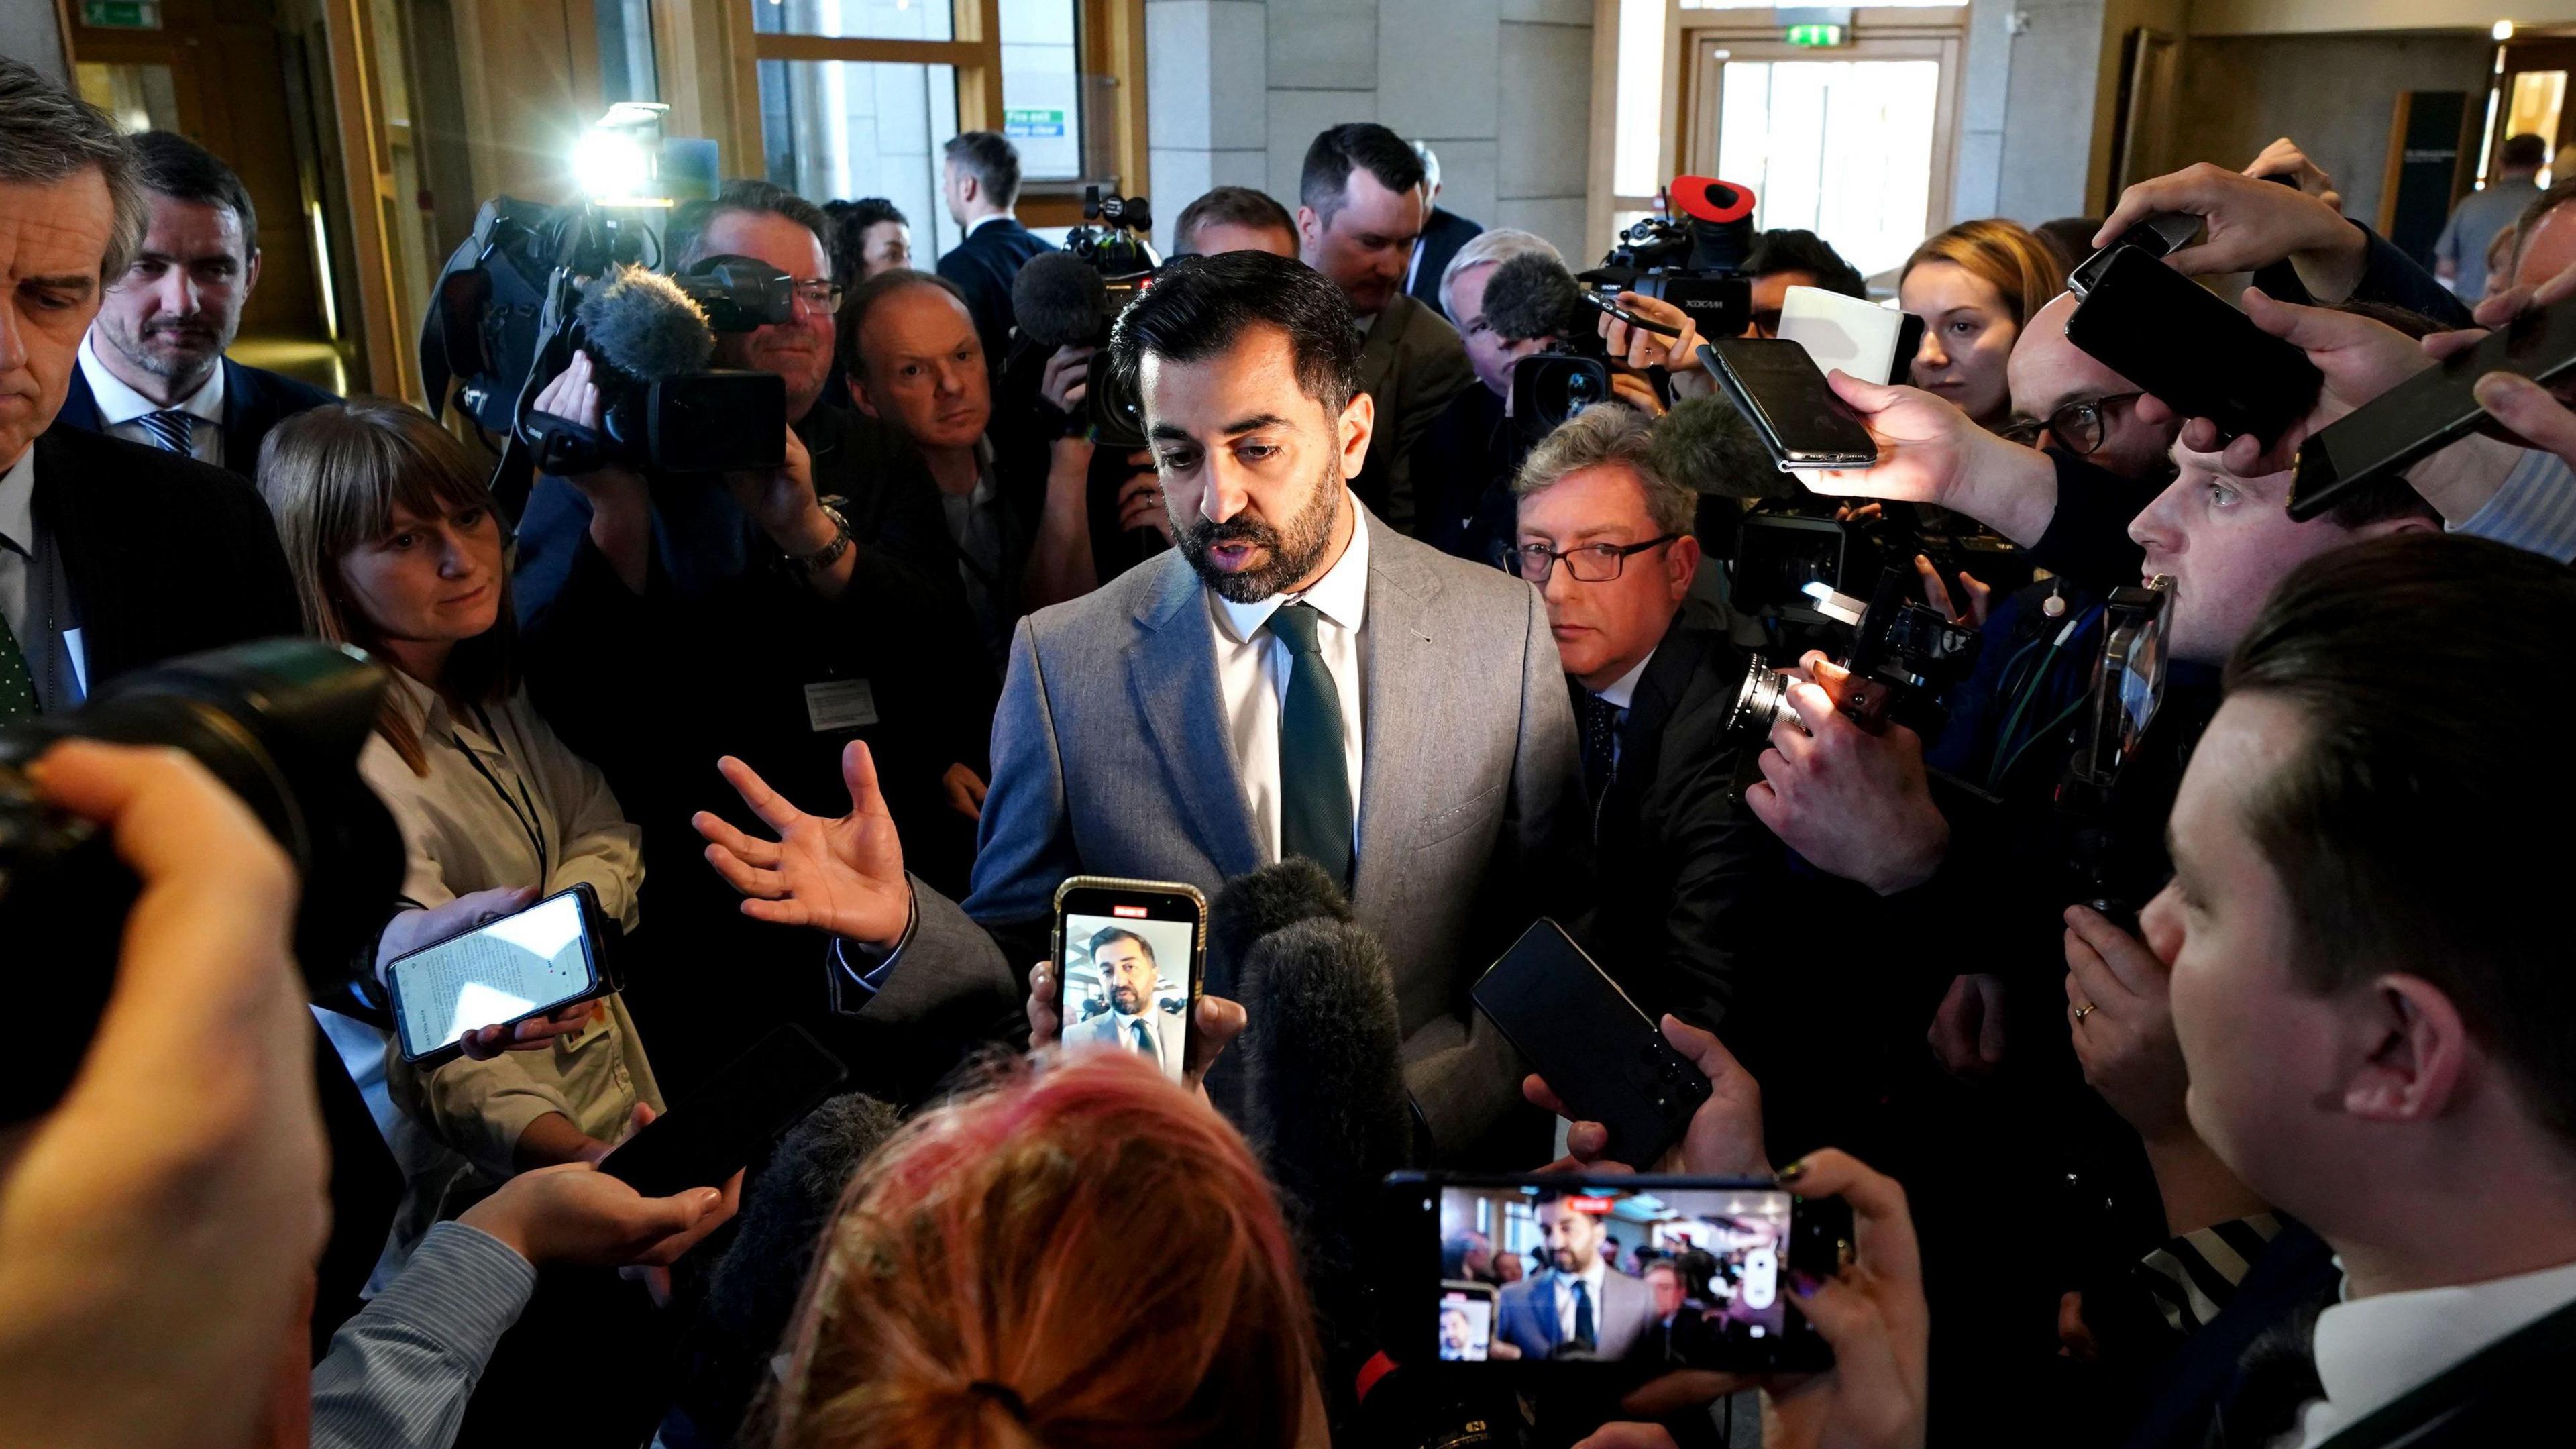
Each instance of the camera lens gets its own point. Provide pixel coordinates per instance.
(1760, 701)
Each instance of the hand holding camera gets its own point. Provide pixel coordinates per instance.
(1854, 803)
(1638, 348)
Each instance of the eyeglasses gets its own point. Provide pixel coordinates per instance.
(820, 293)
(1589, 563)
(2079, 427)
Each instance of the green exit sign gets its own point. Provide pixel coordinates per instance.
(121, 14)
(1820, 35)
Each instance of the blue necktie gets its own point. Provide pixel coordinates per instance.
(171, 430)
(1583, 1337)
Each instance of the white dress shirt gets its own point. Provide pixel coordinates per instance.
(1591, 1279)
(1252, 668)
(2371, 1352)
(983, 221)
(119, 406)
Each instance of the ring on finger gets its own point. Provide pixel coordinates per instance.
(2084, 1009)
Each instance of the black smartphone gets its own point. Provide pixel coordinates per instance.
(2429, 411)
(2199, 355)
(1604, 1060)
(724, 1124)
(524, 964)
(1775, 384)
(1131, 960)
(2160, 235)
(1702, 1279)
(1466, 1321)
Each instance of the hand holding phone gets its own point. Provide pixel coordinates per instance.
(2195, 353)
(530, 963)
(1130, 965)
(1603, 1059)
(1782, 392)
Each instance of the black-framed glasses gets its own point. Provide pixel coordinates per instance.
(1589, 563)
(2079, 426)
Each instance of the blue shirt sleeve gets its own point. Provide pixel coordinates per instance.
(399, 1373)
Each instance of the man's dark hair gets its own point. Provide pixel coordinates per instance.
(1230, 206)
(47, 134)
(2375, 817)
(1357, 145)
(850, 221)
(992, 160)
(689, 219)
(1199, 306)
(1108, 934)
(2527, 151)
(864, 297)
(182, 170)
(1791, 250)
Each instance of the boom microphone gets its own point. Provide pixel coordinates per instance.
(1533, 295)
(1705, 445)
(1254, 904)
(642, 324)
(1060, 301)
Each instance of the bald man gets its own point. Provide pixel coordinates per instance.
(2064, 399)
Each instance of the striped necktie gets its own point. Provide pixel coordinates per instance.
(17, 685)
(171, 429)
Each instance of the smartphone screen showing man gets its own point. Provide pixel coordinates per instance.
(515, 967)
(1121, 990)
(1466, 1322)
(1699, 1279)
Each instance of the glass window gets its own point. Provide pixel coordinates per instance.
(1042, 88)
(626, 51)
(1636, 155)
(856, 19)
(140, 97)
(1842, 148)
(2537, 97)
(837, 130)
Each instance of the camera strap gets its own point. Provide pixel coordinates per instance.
(530, 819)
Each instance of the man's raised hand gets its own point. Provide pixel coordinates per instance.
(840, 875)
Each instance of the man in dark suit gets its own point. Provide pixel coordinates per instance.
(1360, 210)
(1580, 1307)
(152, 369)
(114, 555)
(1293, 678)
(1443, 232)
(980, 182)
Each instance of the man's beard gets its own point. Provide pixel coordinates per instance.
(1128, 1000)
(196, 355)
(1294, 552)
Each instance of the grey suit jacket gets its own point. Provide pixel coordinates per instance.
(1162, 1026)
(1110, 758)
(1526, 1315)
(1411, 365)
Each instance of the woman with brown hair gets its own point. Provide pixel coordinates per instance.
(396, 548)
(1079, 1253)
(1975, 286)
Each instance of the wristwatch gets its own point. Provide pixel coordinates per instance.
(821, 560)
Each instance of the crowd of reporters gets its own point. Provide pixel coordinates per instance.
(2246, 1108)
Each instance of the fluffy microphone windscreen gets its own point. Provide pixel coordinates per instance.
(1533, 295)
(1256, 903)
(642, 324)
(1059, 301)
(1705, 445)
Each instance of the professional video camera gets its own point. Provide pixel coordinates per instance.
(1069, 298)
(1689, 260)
(536, 282)
(278, 722)
(1780, 552)
(1903, 653)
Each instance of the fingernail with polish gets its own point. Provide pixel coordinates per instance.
(1804, 1284)
(1793, 1171)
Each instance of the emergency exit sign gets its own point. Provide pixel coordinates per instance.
(1816, 35)
(121, 14)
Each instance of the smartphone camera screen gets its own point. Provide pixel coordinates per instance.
(1466, 1322)
(1127, 983)
(1648, 1273)
(514, 967)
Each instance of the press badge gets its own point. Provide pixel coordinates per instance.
(840, 704)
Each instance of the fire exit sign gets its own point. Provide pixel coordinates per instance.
(1816, 35)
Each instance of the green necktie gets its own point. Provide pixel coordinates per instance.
(17, 686)
(1314, 773)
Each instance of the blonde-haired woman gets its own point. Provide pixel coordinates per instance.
(1975, 286)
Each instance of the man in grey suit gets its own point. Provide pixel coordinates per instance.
(1294, 678)
(1581, 1307)
(1135, 1020)
(1362, 206)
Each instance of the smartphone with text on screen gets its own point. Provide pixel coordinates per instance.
(524, 964)
(1131, 961)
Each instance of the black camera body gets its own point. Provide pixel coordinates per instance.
(1552, 386)
(1690, 261)
(1903, 653)
(1112, 241)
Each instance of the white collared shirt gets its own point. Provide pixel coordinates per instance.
(1252, 668)
(2370, 1352)
(1591, 1279)
(980, 222)
(119, 406)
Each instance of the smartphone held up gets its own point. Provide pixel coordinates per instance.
(1131, 962)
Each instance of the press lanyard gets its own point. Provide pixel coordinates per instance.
(528, 818)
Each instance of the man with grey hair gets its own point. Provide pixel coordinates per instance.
(1467, 457)
(1682, 870)
(1443, 233)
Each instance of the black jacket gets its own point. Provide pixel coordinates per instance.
(1684, 871)
(717, 657)
(983, 266)
(1442, 235)
(169, 556)
(255, 400)
(1462, 477)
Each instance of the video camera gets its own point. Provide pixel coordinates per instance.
(1690, 260)
(1778, 555)
(280, 723)
(536, 282)
(1903, 653)
(1071, 296)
